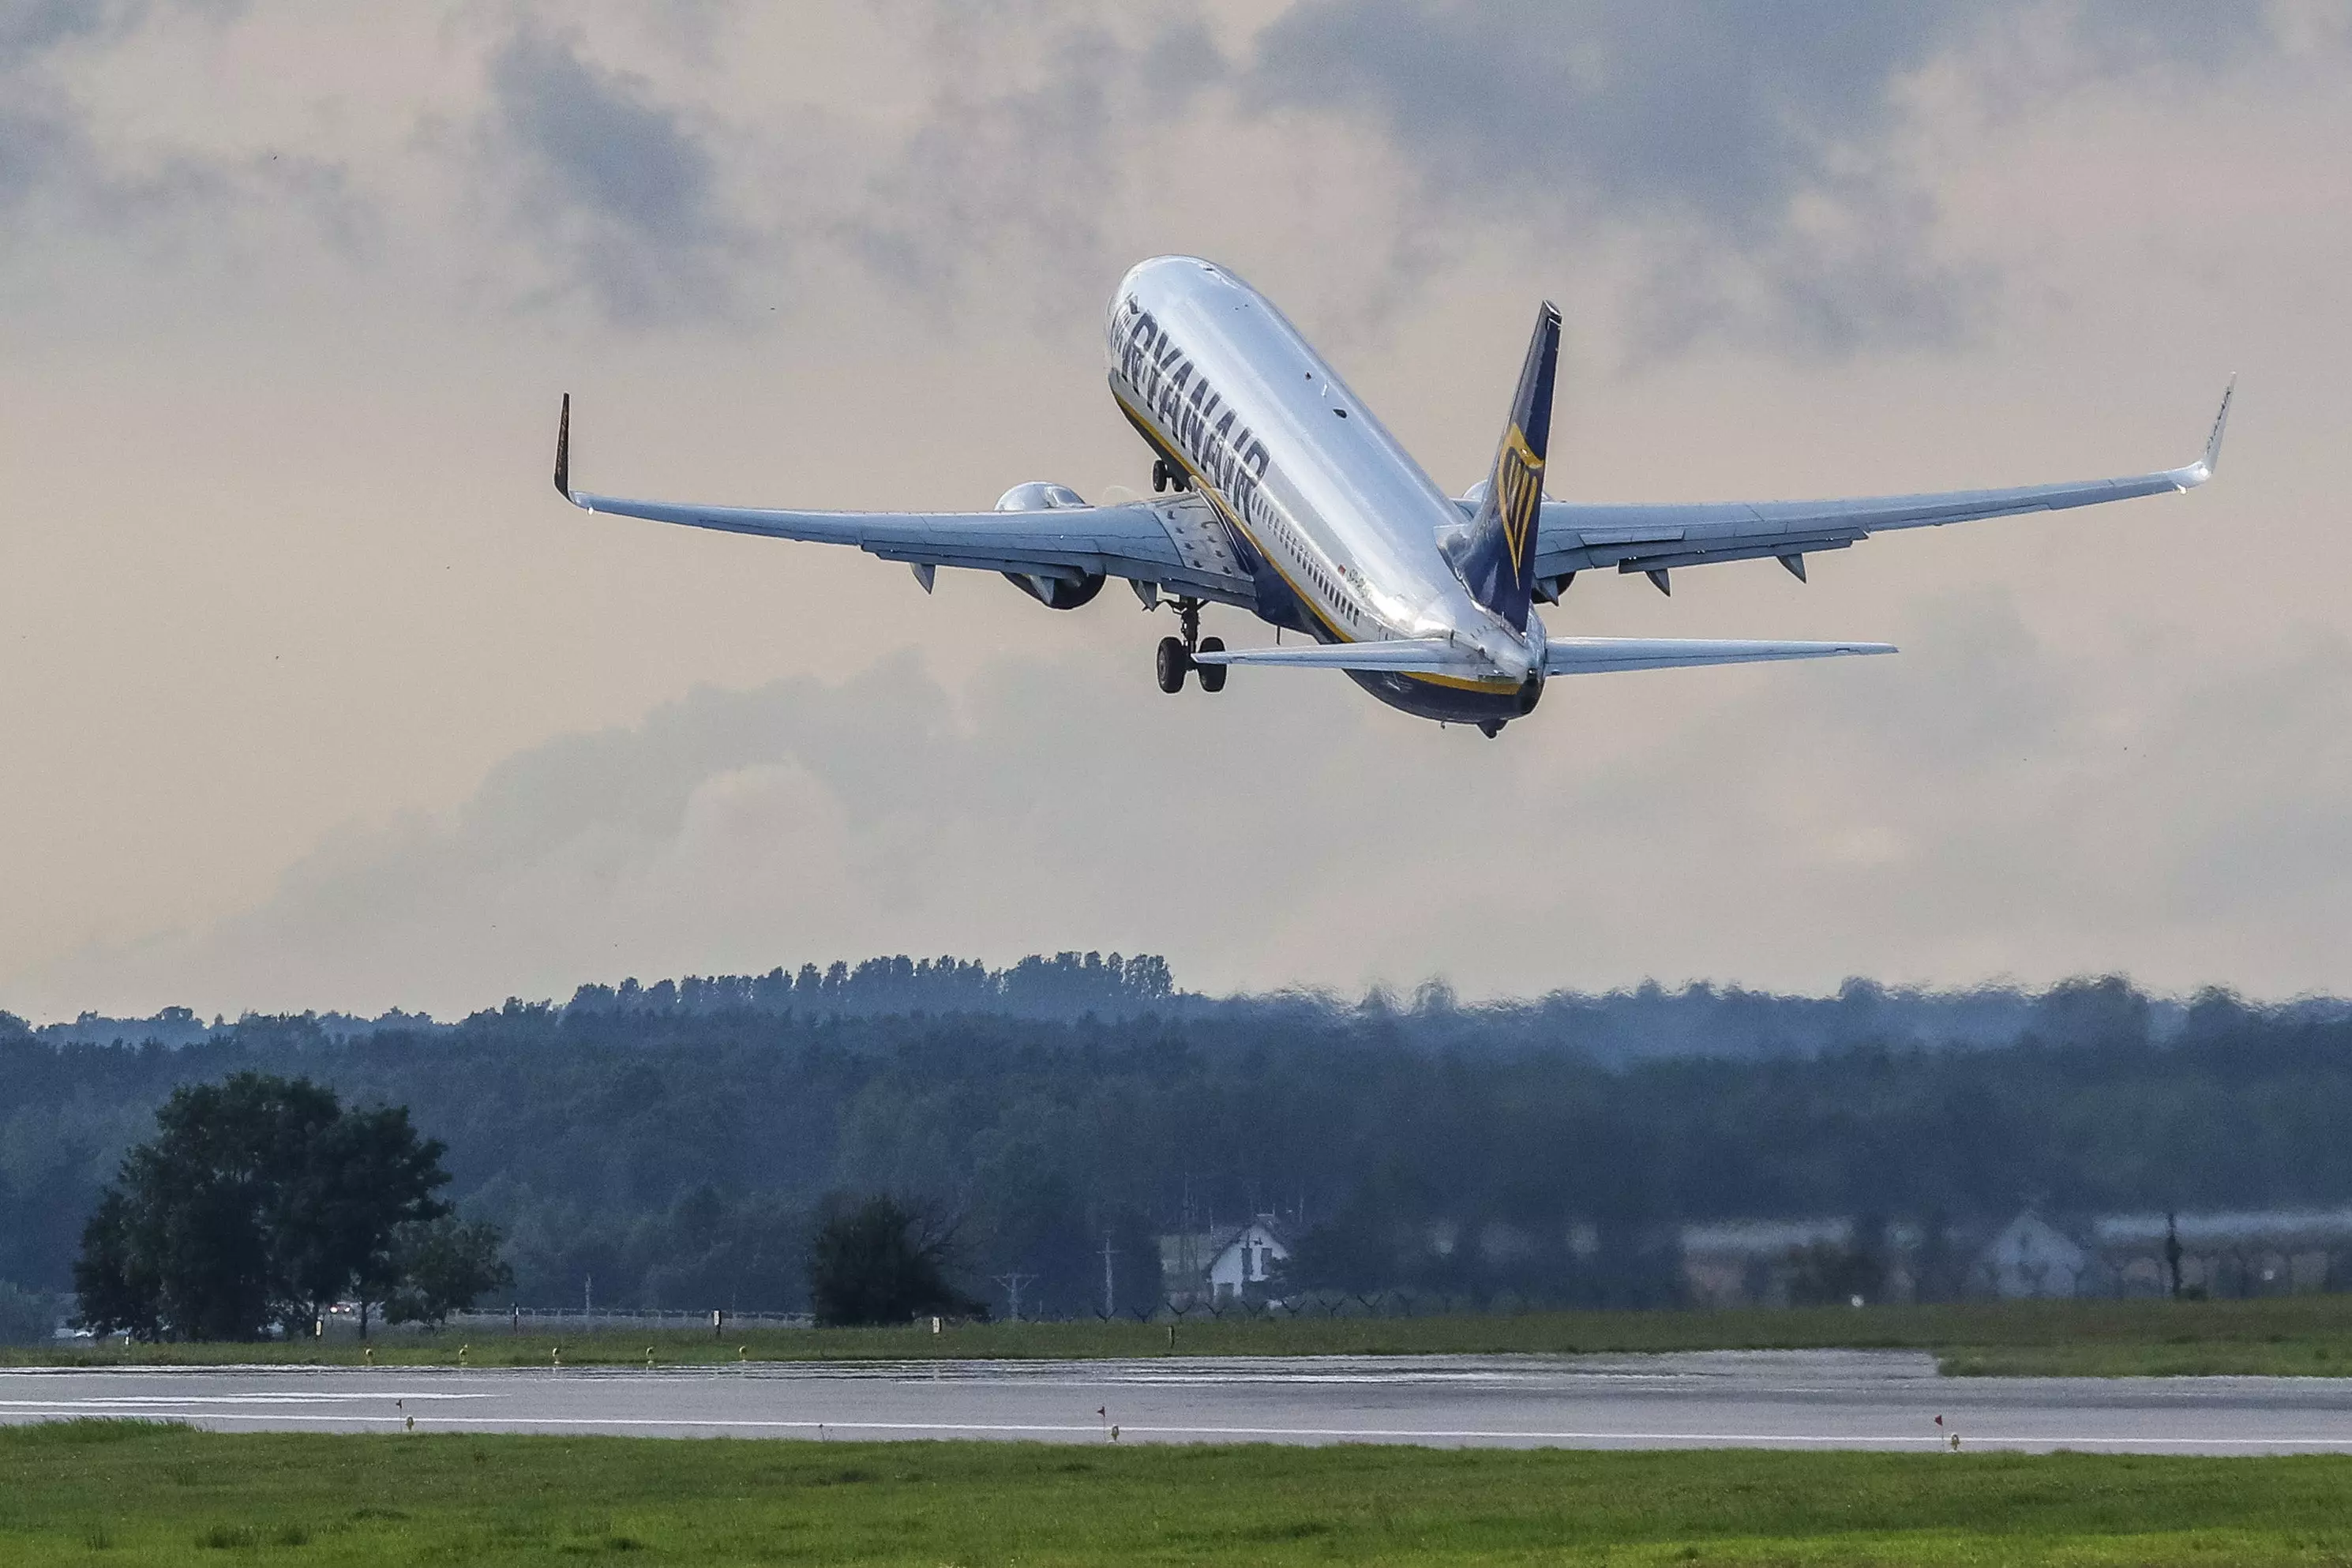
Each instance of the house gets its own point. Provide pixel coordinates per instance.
(1749, 1262)
(2030, 1256)
(1246, 1260)
(2252, 1253)
(1230, 1262)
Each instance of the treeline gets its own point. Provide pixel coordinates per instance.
(1066, 986)
(674, 1156)
(1613, 1026)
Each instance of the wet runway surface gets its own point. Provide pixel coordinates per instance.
(1794, 1399)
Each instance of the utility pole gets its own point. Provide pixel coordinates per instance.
(1012, 1283)
(1110, 1300)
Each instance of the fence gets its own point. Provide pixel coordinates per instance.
(1182, 1308)
(582, 1320)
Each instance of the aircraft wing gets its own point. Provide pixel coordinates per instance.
(1573, 536)
(1177, 543)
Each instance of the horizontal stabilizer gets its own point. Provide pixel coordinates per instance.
(1599, 655)
(1562, 656)
(1407, 656)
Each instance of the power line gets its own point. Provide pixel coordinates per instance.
(1012, 1284)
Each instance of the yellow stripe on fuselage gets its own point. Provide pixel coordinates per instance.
(1158, 439)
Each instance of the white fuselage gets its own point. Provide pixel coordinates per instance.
(1348, 534)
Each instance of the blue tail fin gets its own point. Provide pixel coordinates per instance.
(1498, 563)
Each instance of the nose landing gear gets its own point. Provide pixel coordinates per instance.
(1175, 660)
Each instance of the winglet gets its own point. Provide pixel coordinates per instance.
(563, 451)
(2198, 472)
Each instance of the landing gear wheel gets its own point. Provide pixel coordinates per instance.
(1490, 728)
(1173, 661)
(1213, 676)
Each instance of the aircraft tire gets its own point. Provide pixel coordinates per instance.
(1173, 663)
(1213, 676)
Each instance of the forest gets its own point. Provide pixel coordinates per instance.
(669, 1145)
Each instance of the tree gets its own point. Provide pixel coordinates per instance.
(442, 1266)
(259, 1201)
(368, 1178)
(879, 1262)
(115, 1278)
(25, 1318)
(1826, 1274)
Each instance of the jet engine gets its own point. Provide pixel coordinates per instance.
(1054, 593)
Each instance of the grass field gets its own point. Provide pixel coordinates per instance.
(122, 1493)
(2306, 1336)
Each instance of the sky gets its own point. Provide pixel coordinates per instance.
(312, 695)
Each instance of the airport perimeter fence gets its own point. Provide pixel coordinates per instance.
(585, 1319)
(1178, 1308)
(1401, 1302)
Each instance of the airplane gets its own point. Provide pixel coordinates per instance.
(1278, 492)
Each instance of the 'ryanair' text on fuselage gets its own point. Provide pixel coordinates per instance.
(1192, 413)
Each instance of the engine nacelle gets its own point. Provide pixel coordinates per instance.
(1036, 496)
(1054, 593)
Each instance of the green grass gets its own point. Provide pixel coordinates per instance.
(122, 1493)
(2310, 1335)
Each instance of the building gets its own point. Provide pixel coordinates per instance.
(1232, 1262)
(1245, 1261)
(2030, 1256)
(1743, 1263)
(2244, 1253)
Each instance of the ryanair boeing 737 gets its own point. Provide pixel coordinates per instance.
(1281, 494)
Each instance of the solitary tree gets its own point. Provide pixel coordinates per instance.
(259, 1201)
(439, 1266)
(879, 1262)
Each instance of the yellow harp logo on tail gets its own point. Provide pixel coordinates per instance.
(1519, 492)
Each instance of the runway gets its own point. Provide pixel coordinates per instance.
(1792, 1399)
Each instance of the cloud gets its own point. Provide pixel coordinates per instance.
(45, 142)
(617, 188)
(31, 28)
(1757, 151)
(60, 158)
(1971, 809)
(1029, 147)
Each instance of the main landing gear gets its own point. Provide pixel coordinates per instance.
(1175, 659)
(1167, 476)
